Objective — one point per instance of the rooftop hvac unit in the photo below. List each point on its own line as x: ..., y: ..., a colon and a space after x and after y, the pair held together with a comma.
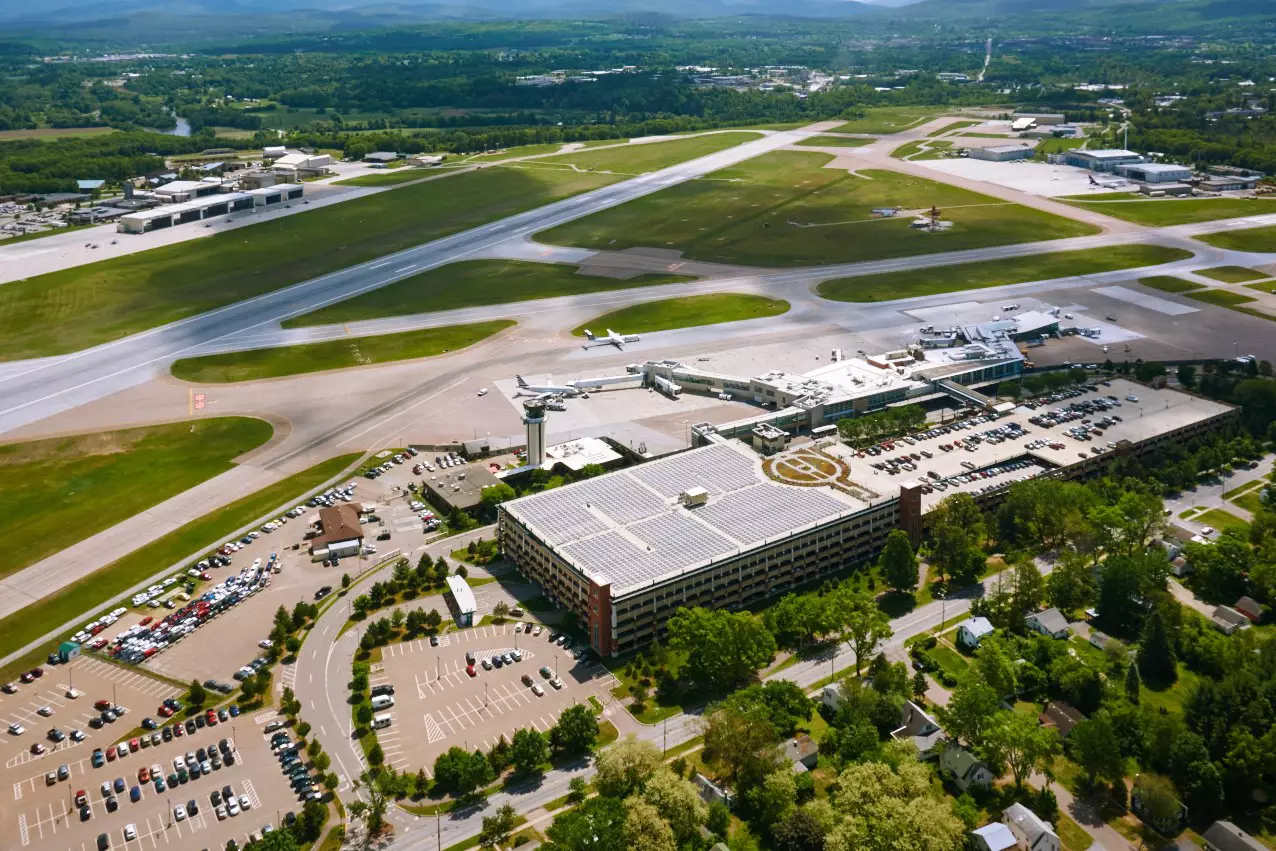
x: 693, y: 497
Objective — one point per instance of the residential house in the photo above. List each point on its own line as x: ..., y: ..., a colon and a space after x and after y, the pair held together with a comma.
x: 1098, y: 640
x: 1228, y: 620
x: 918, y: 727
x: 993, y: 837
x: 1051, y: 622
x: 1061, y: 716
x: 802, y: 752
x: 831, y: 696
x: 1033, y: 833
x: 972, y: 631
x: 1250, y: 608
x: 1225, y: 836
x: 966, y: 769
x: 710, y: 791
x: 1164, y: 826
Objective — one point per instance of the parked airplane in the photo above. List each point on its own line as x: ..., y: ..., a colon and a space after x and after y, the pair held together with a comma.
x: 612, y: 339
x: 552, y: 389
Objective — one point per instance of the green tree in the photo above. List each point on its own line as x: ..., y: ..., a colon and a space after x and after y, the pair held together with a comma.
x: 864, y: 626
x: 529, y: 750
x: 898, y: 564
x: 461, y: 773
x: 578, y: 790
x: 971, y: 708
x: 623, y: 768
x: 494, y: 495
x: 885, y: 809
x: 576, y: 731
x: 1187, y: 375
x: 276, y: 840
x: 797, y: 619
x: 799, y: 832
x: 1157, y: 659
x: 678, y: 802
x: 1017, y: 740
x: 1070, y: 586
x: 772, y: 800
x: 723, y: 648
x: 370, y: 807
x: 1132, y: 683
x: 1097, y: 749
x: 197, y: 696
x: 958, y: 533
x: 644, y: 828
x: 596, y: 825
x: 498, y: 826
x: 740, y: 741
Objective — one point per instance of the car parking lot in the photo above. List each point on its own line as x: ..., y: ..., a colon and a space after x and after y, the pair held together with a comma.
x: 75, y: 812
x: 441, y: 700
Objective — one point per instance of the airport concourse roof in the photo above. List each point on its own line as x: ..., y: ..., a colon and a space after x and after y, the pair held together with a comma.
x: 629, y: 528
x: 1107, y: 154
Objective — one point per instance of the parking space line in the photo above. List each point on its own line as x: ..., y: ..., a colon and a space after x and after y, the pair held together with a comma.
x: 23, y: 832
x: 433, y: 732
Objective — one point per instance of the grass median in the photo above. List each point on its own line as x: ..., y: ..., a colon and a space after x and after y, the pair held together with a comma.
x: 472, y: 283
x: 834, y: 142
x: 86, y: 595
x: 344, y: 353
x: 57, y: 492
x: 391, y: 177
x: 1174, y: 211
x: 786, y: 209
x: 1233, y: 274
x: 996, y: 273
x: 1170, y: 284
x: 638, y: 158
x: 883, y: 120
x: 75, y: 308
x: 1250, y: 239
x: 670, y: 313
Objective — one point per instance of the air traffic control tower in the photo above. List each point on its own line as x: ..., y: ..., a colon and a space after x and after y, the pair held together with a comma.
x: 534, y: 411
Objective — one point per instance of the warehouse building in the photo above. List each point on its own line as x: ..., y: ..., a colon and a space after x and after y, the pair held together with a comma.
x: 1042, y: 118
x: 1002, y: 153
x: 1228, y: 183
x: 269, y: 196
x: 171, y: 215
x: 1106, y: 160
x: 181, y: 191
x: 1155, y: 172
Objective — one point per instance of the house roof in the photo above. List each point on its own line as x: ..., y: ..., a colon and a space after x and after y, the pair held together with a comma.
x: 1052, y: 619
x: 1062, y: 716
x: 1230, y: 615
x: 962, y: 762
x: 338, y: 523
x: 1027, y: 821
x: 800, y: 747
x: 1226, y: 836
x: 979, y: 627
x: 1249, y: 606
x: 996, y: 836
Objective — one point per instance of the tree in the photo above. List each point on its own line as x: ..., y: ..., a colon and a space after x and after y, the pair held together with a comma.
x: 529, y: 750
x: 596, y: 825
x: 1156, y: 657
x: 576, y: 731
x: 198, y: 696
x: 1070, y: 586
x: 797, y: 619
x: 1029, y: 589
x: 887, y: 809
x: 958, y: 533
x: 678, y: 802
x: 785, y: 703
x: 798, y: 832
x: 739, y: 740
x: 1161, y: 807
x: 623, y: 768
x: 345, y: 580
x: 1017, y: 740
x: 719, y: 819
x: 461, y: 773
x: 1097, y: 749
x: 864, y: 625
x: 645, y: 829
x: 494, y: 495
x: 376, y: 756
x: 996, y: 665
x: 461, y: 571
x: 970, y: 709
x: 898, y: 564
x: 498, y: 826
x: 919, y: 685
x: 724, y: 649
x: 1132, y: 683
x: 774, y: 798
x: 370, y: 808
x: 501, y: 610
x: 1187, y: 375
x: 577, y: 789
x: 276, y: 840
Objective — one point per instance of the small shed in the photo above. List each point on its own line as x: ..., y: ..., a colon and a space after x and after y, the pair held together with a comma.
x: 67, y: 651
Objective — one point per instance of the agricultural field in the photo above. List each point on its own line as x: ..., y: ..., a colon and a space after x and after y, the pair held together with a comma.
x: 471, y: 283
x: 784, y: 209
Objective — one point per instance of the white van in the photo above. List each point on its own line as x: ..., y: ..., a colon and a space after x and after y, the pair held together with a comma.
x: 381, y: 721
x: 382, y: 701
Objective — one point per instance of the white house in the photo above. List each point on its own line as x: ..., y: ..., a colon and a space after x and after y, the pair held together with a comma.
x: 1032, y: 833
x: 966, y: 769
x: 1051, y: 622
x: 972, y: 631
x: 993, y: 837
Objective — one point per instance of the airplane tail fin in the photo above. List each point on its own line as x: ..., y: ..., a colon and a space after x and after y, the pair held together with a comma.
x: 521, y: 382
x: 589, y: 335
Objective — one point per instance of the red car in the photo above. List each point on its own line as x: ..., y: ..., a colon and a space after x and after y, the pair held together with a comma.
x: 110, y: 755
x: 469, y: 669
x: 27, y: 677
x: 80, y: 798
x: 143, y: 775
x: 144, y: 621
x: 164, y: 712
x: 179, y: 730
x: 101, y: 705
x: 134, y: 746
x: 37, y: 672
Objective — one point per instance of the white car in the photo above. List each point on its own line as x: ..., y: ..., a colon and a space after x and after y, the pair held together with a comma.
x: 232, y: 808
x: 537, y: 690
x: 482, y: 391
x: 16, y: 729
x: 536, y: 631
x: 179, y: 812
x: 265, y: 644
x: 243, y: 803
x: 44, y: 711
x: 1208, y: 530
x: 130, y: 832
x: 221, y: 813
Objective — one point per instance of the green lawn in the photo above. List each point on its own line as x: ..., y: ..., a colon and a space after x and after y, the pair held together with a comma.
x: 1170, y: 284
x: 949, y: 660
x: 57, y: 492
x: 686, y: 312
x: 785, y: 209
x: 1072, y: 835
x: 935, y: 150
x: 1251, y: 502
x: 996, y: 273
x: 471, y: 283
x: 519, y: 151
x: 956, y: 125
x: 1180, y: 211
x: 1223, y: 521
x: 1170, y: 698
x: 334, y: 354
x: 648, y: 156
x: 1233, y: 274
x: 890, y: 119
x: 389, y: 178
x: 1056, y: 146
x: 834, y: 142
x: 1250, y: 239
x: 84, y: 596
x: 72, y: 309
x: 1220, y: 298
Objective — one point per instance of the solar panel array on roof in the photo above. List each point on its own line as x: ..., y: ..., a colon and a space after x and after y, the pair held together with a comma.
x: 547, y: 514
x: 767, y: 511
x: 717, y: 469
x: 669, y: 542
x: 619, y: 497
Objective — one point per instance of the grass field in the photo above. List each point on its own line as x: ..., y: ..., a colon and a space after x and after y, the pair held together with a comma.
x: 934, y: 149
x: 1221, y: 298
x: 1175, y: 211
x: 1056, y: 146
x: 1251, y: 239
x: 27, y: 237
x: 388, y: 178
x: 996, y: 273
x: 54, y: 133
x: 784, y: 209
x: 1223, y: 521
x: 834, y: 142
x: 58, y: 492
x: 1233, y: 274
x: 687, y: 312
x: 69, y: 310
x: 1170, y: 284
x: 890, y: 119
x: 956, y: 125
x: 334, y: 354
x: 84, y: 596
x: 471, y: 283
x: 517, y: 151
x: 1251, y: 502
x: 648, y: 156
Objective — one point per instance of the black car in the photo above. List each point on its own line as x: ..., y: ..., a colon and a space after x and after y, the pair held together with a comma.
x: 200, y: 723
x: 323, y: 592
x: 230, y: 757
x: 167, y: 734
x: 149, y: 724
x: 192, y: 808
x: 96, y: 723
x: 434, y: 641
x: 201, y: 754
x: 112, y: 804
x: 190, y: 726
